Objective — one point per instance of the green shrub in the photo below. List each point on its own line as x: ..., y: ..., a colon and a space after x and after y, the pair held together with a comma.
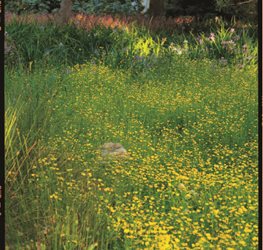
x: 49, y: 43
x: 91, y: 6
x: 243, y: 9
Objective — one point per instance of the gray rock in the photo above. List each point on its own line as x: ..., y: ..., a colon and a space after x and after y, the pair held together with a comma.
x: 115, y: 150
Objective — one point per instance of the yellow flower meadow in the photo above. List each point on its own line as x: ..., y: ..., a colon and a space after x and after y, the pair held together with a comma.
x: 190, y: 181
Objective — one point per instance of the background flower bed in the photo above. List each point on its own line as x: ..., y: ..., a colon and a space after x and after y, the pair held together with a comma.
x: 119, y: 40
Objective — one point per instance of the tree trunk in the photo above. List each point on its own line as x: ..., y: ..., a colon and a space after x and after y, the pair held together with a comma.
x: 157, y: 8
x: 65, y: 12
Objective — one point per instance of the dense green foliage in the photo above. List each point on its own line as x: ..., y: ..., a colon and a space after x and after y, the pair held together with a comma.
x: 99, y: 6
x: 244, y: 9
x: 183, y: 105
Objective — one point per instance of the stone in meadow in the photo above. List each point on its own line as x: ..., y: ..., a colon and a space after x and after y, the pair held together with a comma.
x: 113, y: 150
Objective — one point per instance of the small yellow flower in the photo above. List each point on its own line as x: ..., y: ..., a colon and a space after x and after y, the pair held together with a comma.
x: 243, y: 243
x: 216, y: 211
x: 188, y: 196
x: 182, y: 187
